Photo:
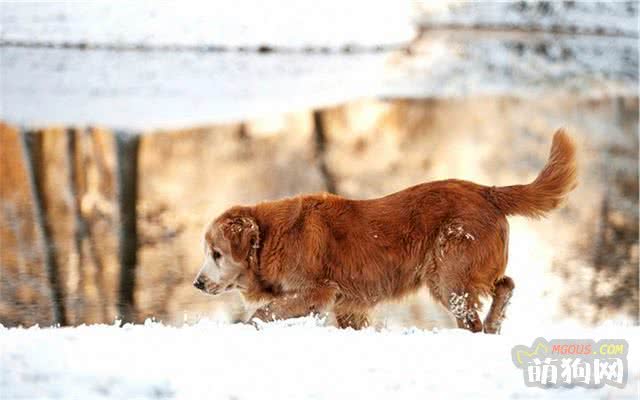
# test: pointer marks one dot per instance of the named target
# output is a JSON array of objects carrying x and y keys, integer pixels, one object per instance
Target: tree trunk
[
  {"x": 127, "y": 145},
  {"x": 33, "y": 155},
  {"x": 320, "y": 138}
]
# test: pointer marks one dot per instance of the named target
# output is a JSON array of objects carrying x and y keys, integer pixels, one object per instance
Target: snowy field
[{"x": 296, "y": 359}]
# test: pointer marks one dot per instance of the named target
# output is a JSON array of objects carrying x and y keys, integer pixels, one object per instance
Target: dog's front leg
[{"x": 298, "y": 304}]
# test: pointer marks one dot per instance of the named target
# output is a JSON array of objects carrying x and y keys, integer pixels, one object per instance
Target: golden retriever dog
[{"x": 321, "y": 252}]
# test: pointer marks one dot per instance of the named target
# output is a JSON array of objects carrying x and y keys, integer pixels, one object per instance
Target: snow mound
[{"x": 294, "y": 359}]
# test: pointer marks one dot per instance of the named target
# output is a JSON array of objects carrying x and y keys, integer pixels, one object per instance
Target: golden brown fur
[{"x": 318, "y": 252}]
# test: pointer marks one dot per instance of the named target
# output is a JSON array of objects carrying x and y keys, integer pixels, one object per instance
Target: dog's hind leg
[
  {"x": 501, "y": 294},
  {"x": 454, "y": 286},
  {"x": 461, "y": 300},
  {"x": 464, "y": 307}
]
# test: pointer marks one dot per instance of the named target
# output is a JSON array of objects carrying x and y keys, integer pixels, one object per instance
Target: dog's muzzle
[{"x": 199, "y": 283}]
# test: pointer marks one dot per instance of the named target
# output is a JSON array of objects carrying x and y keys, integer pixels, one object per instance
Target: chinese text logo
[{"x": 567, "y": 362}]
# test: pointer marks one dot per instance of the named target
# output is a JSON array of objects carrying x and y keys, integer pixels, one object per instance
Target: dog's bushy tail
[{"x": 548, "y": 190}]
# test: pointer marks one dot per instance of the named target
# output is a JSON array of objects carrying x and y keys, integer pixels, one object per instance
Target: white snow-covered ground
[{"x": 295, "y": 359}]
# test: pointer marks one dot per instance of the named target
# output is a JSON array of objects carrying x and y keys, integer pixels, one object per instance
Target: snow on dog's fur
[{"x": 320, "y": 252}]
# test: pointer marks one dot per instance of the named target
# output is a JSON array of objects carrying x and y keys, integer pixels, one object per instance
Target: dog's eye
[{"x": 216, "y": 254}]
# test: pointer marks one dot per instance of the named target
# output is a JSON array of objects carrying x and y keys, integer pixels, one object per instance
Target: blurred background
[{"x": 126, "y": 127}]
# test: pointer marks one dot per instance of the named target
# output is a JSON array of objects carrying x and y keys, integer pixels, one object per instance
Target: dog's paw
[{"x": 256, "y": 322}]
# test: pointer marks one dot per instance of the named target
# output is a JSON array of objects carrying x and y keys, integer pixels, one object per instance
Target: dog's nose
[{"x": 199, "y": 284}]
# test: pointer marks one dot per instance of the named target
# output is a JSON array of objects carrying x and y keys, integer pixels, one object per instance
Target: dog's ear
[{"x": 243, "y": 234}]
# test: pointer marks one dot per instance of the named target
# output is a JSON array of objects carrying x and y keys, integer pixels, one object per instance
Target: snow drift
[{"x": 294, "y": 359}]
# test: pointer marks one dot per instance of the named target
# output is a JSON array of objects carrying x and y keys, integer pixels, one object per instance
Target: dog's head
[{"x": 228, "y": 244}]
